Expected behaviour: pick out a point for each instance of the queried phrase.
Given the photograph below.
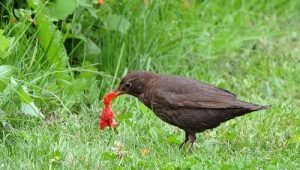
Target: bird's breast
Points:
(147, 100)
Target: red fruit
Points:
(108, 98)
(107, 116)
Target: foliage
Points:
(58, 58)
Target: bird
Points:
(189, 104)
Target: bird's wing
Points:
(193, 94)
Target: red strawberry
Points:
(107, 116)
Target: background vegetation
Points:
(58, 58)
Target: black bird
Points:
(186, 103)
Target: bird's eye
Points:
(127, 85)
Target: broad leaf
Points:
(5, 74)
(92, 48)
(24, 95)
(31, 109)
(34, 3)
(117, 23)
(27, 105)
(51, 40)
(60, 9)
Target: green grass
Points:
(250, 48)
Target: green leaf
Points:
(92, 48)
(34, 3)
(74, 90)
(27, 105)
(4, 45)
(31, 109)
(51, 39)
(24, 95)
(84, 3)
(60, 9)
(92, 11)
(5, 74)
(117, 23)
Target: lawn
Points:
(57, 63)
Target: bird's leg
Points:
(192, 139)
(185, 140)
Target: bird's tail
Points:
(264, 107)
(245, 108)
(254, 107)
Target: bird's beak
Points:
(119, 92)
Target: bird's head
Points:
(135, 83)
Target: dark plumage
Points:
(186, 103)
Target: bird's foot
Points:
(191, 147)
(185, 140)
(192, 139)
(189, 137)
(182, 144)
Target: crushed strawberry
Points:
(107, 117)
